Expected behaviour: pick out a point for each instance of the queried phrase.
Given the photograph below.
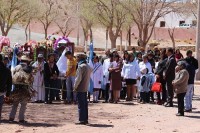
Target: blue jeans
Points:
(1, 104)
(69, 85)
(188, 97)
(82, 106)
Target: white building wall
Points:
(172, 20)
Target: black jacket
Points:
(48, 73)
(5, 79)
(170, 69)
(161, 67)
(192, 61)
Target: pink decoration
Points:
(4, 41)
(60, 39)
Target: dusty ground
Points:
(111, 118)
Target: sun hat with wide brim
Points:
(81, 55)
(25, 58)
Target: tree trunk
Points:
(45, 32)
(91, 35)
(26, 33)
(4, 33)
(129, 36)
(106, 38)
(171, 35)
(113, 42)
(113, 38)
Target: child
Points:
(147, 79)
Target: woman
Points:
(51, 73)
(38, 83)
(124, 86)
(131, 72)
(180, 85)
(178, 55)
(115, 77)
(126, 57)
(139, 57)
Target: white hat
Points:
(40, 56)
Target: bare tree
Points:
(11, 11)
(32, 14)
(171, 35)
(190, 7)
(111, 15)
(145, 13)
(48, 13)
(66, 17)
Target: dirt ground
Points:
(125, 117)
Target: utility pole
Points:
(198, 40)
(78, 23)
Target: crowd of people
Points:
(110, 78)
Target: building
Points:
(175, 20)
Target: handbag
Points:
(156, 87)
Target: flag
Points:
(91, 56)
(62, 63)
(14, 59)
(91, 52)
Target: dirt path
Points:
(124, 117)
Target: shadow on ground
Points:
(100, 125)
(193, 117)
(31, 124)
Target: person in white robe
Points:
(38, 84)
(97, 77)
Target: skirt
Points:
(130, 81)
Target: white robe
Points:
(97, 75)
(38, 83)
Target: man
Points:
(107, 53)
(70, 76)
(134, 51)
(169, 75)
(6, 62)
(21, 94)
(180, 85)
(191, 66)
(5, 83)
(191, 60)
(81, 86)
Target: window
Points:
(194, 23)
(162, 23)
(181, 22)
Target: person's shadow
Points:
(194, 117)
(100, 125)
(31, 124)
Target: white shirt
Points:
(106, 66)
(131, 70)
(147, 65)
